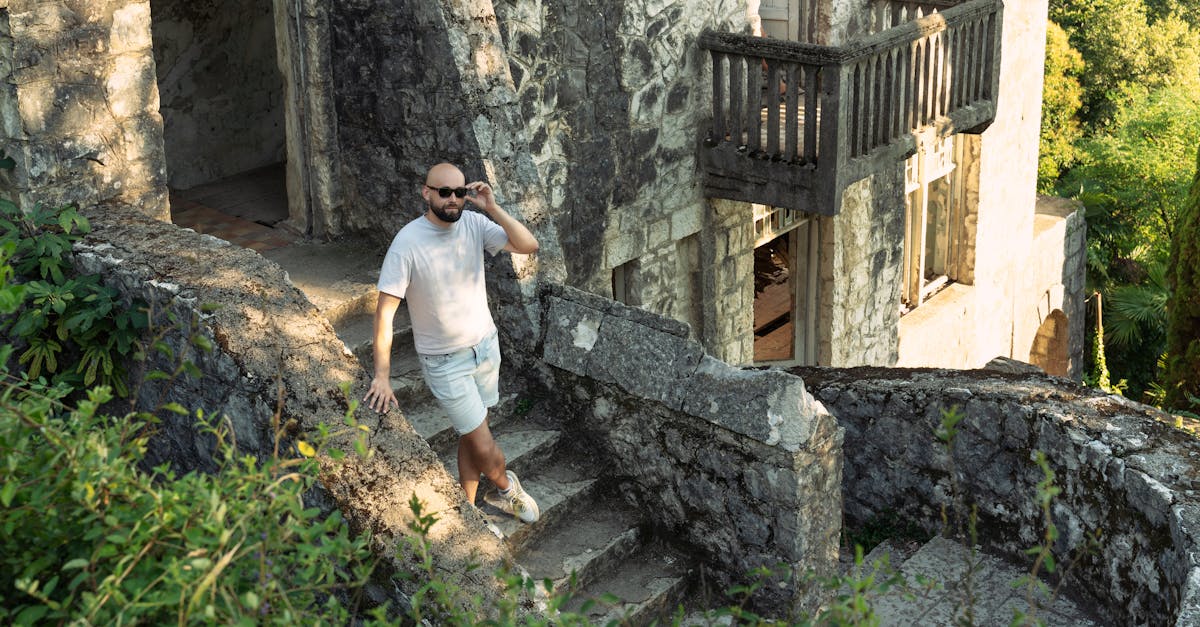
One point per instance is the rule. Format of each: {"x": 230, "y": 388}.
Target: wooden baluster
{"x": 993, "y": 49}
{"x": 737, "y": 85}
{"x": 947, "y": 70}
{"x": 811, "y": 114}
{"x": 894, "y": 90}
{"x": 868, "y": 109}
{"x": 720, "y": 106}
{"x": 754, "y": 104}
{"x": 918, "y": 84}
{"x": 930, "y": 82}
{"x": 887, "y": 118}
{"x": 899, "y": 116}
{"x": 956, "y": 67}
{"x": 772, "y": 97}
{"x": 939, "y": 46}
{"x": 912, "y": 78}
{"x": 977, "y": 54}
{"x": 880, "y": 96}
{"x": 856, "y": 105}
{"x": 792, "y": 113}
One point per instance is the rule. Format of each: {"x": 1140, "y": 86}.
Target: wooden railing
{"x": 887, "y": 14}
{"x": 822, "y": 108}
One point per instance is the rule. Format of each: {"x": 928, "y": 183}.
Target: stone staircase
{"x": 591, "y": 539}
{"x": 588, "y": 537}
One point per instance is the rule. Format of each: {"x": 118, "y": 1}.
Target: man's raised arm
{"x": 520, "y": 239}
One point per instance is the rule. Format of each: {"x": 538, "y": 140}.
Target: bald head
{"x": 445, "y": 175}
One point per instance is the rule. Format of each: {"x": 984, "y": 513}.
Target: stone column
{"x": 79, "y": 105}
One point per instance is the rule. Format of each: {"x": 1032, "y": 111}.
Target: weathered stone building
{"x": 855, "y": 189}
{"x": 901, "y": 228}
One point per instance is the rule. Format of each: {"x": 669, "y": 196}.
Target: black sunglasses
{"x": 445, "y": 192}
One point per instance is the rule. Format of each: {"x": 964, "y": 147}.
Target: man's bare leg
{"x": 478, "y": 453}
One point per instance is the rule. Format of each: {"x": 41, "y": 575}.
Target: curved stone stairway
{"x": 587, "y": 530}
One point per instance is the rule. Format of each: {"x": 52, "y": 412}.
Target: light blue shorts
{"x": 465, "y": 382}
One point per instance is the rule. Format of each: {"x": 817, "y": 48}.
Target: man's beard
{"x": 444, "y": 215}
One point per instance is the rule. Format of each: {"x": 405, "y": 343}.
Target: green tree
{"x": 1182, "y": 376}
{"x": 1129, "y": 52}
{"x": 1133, "y": 186}
{"x": 1132, "y": 181}
{"x": 1060, "y": 107}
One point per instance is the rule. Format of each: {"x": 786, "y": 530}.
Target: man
{"x": 436, "y": 263}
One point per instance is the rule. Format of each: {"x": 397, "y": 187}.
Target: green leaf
{"x": 78, "y": 562}
{"x": 7, "y": 493}
{"x": 32, "y": 614}
{"x": 175, "y": 408}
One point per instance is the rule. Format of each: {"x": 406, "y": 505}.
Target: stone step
{"x": 595, "y": 537}
{"x": 562, "y": 488}
{"x": 429, "y": 420}
{"x": 944, "y": 566}
{"x": 648, "y": 585}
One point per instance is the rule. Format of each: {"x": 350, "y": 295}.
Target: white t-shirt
{"x": 439, "y": 271}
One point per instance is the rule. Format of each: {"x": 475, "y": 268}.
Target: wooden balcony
{"x": 794, "y": 123}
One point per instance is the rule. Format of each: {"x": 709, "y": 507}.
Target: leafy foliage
{"x": 1060, "y": 107}
{"x": 1133, "y": 186}
{"x": 88, "y": 537}
{"x": 1129, "y": 52}
{"x": 1182, "y": 368}
{"x": 71, "y": 328}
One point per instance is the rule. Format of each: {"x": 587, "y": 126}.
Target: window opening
{"x": 933, "y": 212}
{"x": 785, "y": 286}
{"x": 626, "y": 283}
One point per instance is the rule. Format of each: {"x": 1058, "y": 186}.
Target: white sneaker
{"x": 523, "y": 505}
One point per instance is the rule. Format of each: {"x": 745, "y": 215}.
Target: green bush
{"x": 69, "y": 326}
{"x": 87, "y": 536}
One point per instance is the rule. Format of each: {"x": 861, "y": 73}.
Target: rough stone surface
{"x": 1123, "y": 472}
{"x": 862, "y": 259}
{"x": 612, "y": 101}
{"x": 274, "y": 353}
{"x": 743, "y": 464}
{"x": 79, "y": 105}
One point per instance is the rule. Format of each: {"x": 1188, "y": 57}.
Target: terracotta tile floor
{"x": 202, "y": 219}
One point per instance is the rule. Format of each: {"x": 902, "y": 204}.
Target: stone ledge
{"x": 1123, "y": 471}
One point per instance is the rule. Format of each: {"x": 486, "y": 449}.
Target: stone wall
{"x": 1123, "y": 473}
{"x": 1055, "y": 282}
{"x": 742, "y": 464}
{"x": 79, "y": 106}
{"x": 274, "y": 352}
{"x": 727, "y": 262}
{"x": 1008, "y": 183}
{"x": 862, "y": 256}
{"x": 611, "y": 98}
{"x": 220, "y": 89}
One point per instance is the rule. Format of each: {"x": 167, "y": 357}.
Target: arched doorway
{"x": 1050, "y": 346}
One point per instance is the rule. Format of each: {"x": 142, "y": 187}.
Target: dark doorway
{"x": 222, "y": 100}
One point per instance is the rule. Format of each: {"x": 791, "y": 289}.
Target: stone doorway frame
{"x": 302, "y": 37}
